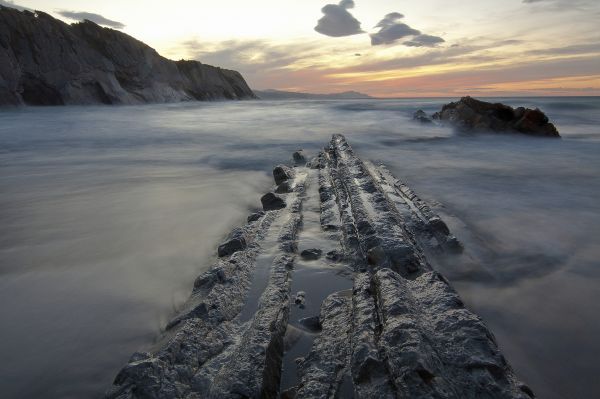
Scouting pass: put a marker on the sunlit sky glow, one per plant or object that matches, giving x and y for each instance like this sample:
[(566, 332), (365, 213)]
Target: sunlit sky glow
[(489, 48)]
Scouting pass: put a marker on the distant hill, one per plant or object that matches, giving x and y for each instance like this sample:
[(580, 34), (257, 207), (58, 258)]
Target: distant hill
[(272, 94)]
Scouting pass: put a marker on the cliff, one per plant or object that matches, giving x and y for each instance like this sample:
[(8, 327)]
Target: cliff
[(44, 61)]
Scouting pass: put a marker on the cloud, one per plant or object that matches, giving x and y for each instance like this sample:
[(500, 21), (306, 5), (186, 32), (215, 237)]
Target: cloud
[(392, 30), (11, 4), (424, 41), (97, 18), (561, 5), (337, 21)]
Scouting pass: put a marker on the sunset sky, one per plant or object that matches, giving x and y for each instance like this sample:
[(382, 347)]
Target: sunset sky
[(380, 47)]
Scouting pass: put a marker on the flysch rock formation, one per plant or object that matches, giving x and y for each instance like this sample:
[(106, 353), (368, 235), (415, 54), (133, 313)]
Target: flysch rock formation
[(471, 114), (44, 61), (372, 319)]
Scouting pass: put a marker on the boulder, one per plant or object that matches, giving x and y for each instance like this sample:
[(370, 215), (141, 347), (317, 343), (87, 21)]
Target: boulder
[(470, 114), (236, 242), (272, 202), (282, 173)]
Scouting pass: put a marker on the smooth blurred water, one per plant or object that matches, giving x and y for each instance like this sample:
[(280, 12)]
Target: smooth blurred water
[(107, 214)]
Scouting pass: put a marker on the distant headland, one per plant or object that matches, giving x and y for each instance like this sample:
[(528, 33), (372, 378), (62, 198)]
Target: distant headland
[(48, 62), (272, 94)]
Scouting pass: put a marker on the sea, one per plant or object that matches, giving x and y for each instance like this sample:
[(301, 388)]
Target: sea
[(107, 214)]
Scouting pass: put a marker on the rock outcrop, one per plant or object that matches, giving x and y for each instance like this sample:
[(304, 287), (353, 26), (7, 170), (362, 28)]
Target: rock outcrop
[(44, 61), (421, 116), (472, 114), (395, 329)]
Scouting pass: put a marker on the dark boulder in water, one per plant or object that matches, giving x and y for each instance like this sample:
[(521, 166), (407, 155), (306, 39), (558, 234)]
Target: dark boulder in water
[(272, 202), (236, 242), (282, 173), (471, 114)]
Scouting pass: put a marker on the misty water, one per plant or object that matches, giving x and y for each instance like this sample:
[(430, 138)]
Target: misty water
[(107, 214)]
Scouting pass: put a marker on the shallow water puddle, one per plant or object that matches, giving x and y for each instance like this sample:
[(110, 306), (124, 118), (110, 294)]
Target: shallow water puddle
[(316, 278)]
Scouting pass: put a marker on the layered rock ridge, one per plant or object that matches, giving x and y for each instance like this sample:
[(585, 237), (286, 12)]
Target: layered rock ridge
[(44, 61), (383, 323)]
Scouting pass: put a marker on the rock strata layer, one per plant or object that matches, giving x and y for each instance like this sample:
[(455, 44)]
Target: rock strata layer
[(400, 331), (44, 61), (472, 114)]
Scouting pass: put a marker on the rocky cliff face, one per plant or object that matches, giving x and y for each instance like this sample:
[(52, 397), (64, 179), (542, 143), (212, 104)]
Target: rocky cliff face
[(44, 61)]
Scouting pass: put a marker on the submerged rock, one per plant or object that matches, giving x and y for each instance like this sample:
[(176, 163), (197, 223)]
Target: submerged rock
[(48, 62), (421, 116), (311, 254), (299, 158), (300, 298), (472, 114), (272, 202), (311, 323)]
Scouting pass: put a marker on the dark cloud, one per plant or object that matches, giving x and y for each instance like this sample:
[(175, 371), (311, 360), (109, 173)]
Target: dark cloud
[(97, 18), (12, 4), (391, 30), (337, 20), (424, 41)]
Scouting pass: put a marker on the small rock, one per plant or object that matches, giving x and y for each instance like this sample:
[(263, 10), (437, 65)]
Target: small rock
[(282, 173), (311, 254), (235, 243), (299, 158), (421, 116), (255, 216), (272, 202), (300, 298)]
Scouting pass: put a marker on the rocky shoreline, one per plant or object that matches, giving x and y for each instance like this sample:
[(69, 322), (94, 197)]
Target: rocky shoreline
[(45, 61), (385, 324)]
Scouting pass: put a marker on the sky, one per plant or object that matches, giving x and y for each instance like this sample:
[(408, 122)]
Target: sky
[(385, 48)]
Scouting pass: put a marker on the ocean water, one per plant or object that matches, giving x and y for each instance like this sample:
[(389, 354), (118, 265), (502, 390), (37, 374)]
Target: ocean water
[(108, 213)]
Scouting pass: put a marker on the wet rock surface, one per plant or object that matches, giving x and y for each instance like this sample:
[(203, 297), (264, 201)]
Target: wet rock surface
[(271, 202), (396, 330), (311, 254), (282, 173), (471, 115), (48, 62)]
